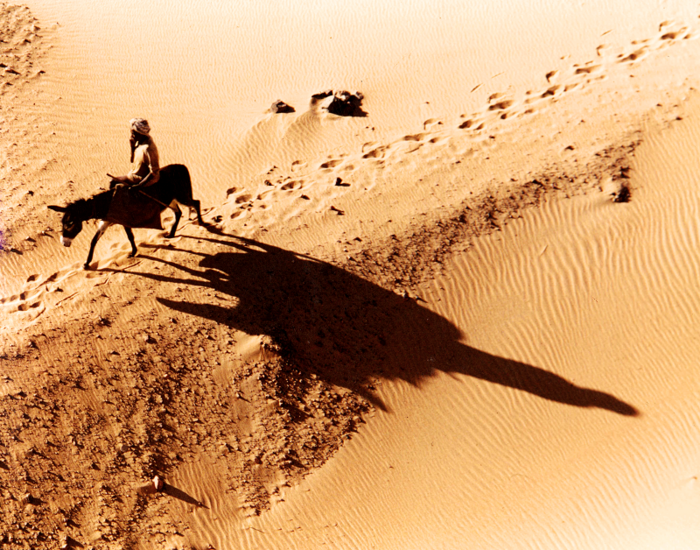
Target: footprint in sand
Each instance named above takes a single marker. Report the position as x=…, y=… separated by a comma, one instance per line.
x=23, y=298
x=368, y=145
x=431, y=122
x=415, y=137
x=675, y=35
x=243, y=198
x=636, y=55
x=501, y=105
x=377, y=153
x=551, y=91
x=289, y=186
x=28, y=307
x=331, y=163
x=586, y=69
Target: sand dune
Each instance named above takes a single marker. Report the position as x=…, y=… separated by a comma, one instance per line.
x=464, y=319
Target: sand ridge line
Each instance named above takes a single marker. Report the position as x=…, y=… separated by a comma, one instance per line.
x=306, y=185
x=409, y=259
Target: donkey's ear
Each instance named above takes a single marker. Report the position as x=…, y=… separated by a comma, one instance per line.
x=56, y=208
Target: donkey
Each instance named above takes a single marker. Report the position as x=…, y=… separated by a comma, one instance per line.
x=173, y=187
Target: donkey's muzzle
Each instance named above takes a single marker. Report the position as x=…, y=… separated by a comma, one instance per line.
x=66, y=241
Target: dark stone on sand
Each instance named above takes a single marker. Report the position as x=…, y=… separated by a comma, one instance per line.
x=343, y=103
x=280, y=107
x=347, y=104
x=623, y=195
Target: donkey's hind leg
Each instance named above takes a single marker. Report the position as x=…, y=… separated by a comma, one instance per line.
x=178, y=214
x=130, y=235
x=100, y=231
x=195, y=204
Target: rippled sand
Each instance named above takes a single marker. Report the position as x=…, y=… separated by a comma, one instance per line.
x=428, y=327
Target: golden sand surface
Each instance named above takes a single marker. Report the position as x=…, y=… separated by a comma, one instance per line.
x=464, y=319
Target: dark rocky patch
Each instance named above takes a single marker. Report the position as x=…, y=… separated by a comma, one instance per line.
x=347, y=104
x=280, y=107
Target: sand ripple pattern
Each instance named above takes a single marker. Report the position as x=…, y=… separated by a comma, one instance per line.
x=602, y=294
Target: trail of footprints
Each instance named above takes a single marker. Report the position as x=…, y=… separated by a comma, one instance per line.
x=30, y=299
x=499, y=107
x=39, y=291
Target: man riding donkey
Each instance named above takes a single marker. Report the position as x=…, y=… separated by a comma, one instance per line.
x=145, y=153
x=134, y=200
x=132, y=205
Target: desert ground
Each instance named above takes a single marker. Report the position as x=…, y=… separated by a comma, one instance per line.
x=460, y=314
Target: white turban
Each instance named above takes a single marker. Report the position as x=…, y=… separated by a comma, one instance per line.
x=140, y=125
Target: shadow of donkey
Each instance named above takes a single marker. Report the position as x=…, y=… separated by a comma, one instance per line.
x=349, y=331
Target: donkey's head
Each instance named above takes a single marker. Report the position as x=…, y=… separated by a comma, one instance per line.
x=72, y=221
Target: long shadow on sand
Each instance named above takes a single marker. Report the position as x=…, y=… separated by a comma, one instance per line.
x=349, y=331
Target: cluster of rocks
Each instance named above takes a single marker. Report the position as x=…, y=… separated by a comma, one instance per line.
x=340, y=103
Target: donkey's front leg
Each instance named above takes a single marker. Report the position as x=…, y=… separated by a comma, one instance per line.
x=100, y=231
x=178, y=214
x=130, y=234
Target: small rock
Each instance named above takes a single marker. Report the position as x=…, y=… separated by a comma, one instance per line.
x=281, y=107
x=158, y=483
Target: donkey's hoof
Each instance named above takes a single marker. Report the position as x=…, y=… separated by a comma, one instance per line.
x=86, y=267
